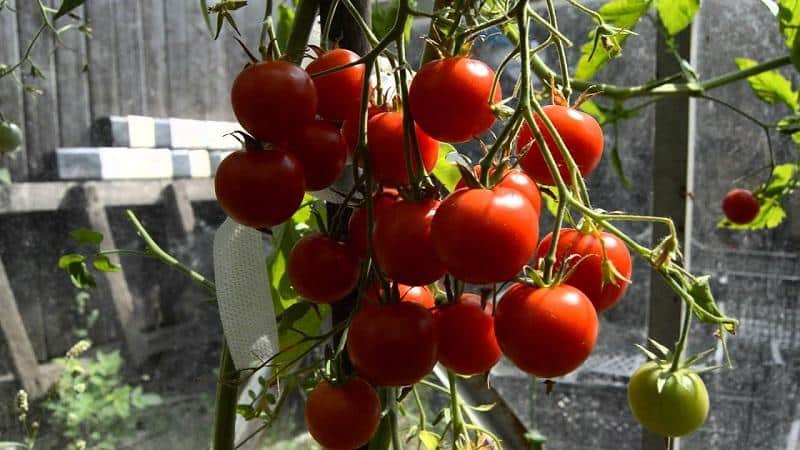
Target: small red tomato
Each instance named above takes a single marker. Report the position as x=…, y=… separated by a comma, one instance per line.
x=387, y=149
x=273, y=100
x=350, y=127
x=339, y=92
x=465, y=332
x=321, y=150
x=449, y=98
x=358, y=225
x=343, y=416
x=586, y=257
x=259, y=188
x=581, y=134
x=420, y=295
x=740, y=206
x=517, y=180
x=546, y=332
x=402, y=243
x=485, y=235
x=321, y=269
x=393, y=345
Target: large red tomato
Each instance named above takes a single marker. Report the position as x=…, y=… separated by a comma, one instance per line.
x=343, y=416
x=321, y=269
x=485, y=235
x=581, y=134
x=387, y=152
x=273, y=100
x=546, y=332
x=517, y=180
x=740, y=206
x=588, y=264
x=465, y=333
x=321, y=149
x=402, y=243
x=393, y=345
x=339, y=92
x=449, y=98
x=420, y=295
x=259, y=188
x=358, y=226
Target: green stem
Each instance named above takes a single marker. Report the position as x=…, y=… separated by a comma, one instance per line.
x=681, y=345
x=326, y=28
x=562, y=54
x=423, y=420
x=362, y=24
x=459, y=430
x=594, y=14
x=391, y=398
x=27, y=54
x=305, y=15
x=267, y=30
x=225, y=407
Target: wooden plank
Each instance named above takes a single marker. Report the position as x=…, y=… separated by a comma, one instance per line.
x=219, y=82
x=179, y=52
x=130, y=57
x=156, y=77
x=24, y=363
x=41, y=111
x=11, y=102
x=102, y=59
x=74, y=108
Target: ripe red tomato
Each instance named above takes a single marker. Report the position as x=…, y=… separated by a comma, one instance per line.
x=273, y=100
x=740, y=206
x=517, y=180
x=343, y=416
x=386, y=148
x=546, y=332
x=485, y=235
x=420, y=295
x=339, y=92
x=465, y=333
x=581, y=134
x=350, y=127
x=402, y=243
x=588, y=275
x=393, y=345
x=449, y=98
x=321, y=150
x=321, y=269
x=358, y=225
x=259, y=188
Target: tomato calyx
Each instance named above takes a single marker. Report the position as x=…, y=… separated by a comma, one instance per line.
x=662, y=356
x=610, y=273
x=248, y=142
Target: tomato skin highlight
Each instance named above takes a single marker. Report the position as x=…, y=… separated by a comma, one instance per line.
x=273, y=100
x=322, y=269
x=517, y=180
x=394, y=344
x=357, y=227
x=259, y=188
x=386, y=149
x=420, y=295
x=546, y=332
x=465, y=333
x=449, y=98
x=338, y=93
x=506, y=227
x=679, y=409
x=343, y=416
x=321, y=150
x=581, y=134
x=588, y=275
x=402, y=243
x=740, y=206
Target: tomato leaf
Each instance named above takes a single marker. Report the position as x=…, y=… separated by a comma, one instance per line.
x=789, y=20
x=285, y=22
x=770, y=86
x=66, y=260
x=677, y=14
x=66, y=7
x=784, y=180
x=429, y=439
x=705, y=307
x=79, y=275
x=445, y=171
x=383, y=18
x=593, y=109
x=87, y=237
x=104, y=264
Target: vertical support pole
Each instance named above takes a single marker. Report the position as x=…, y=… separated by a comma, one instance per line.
x=673, y=167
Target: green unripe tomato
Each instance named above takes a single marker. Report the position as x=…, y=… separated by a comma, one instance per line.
x=679, y=409
x=10, y=137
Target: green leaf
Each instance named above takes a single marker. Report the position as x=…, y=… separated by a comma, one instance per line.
x=445, y=171
x=770, y=86
x=593, y=109
x=677, y=14
x=104, y=264
x=292, y=314
x=86, y=237
x=705, y=307
x=784, y=180
x=66, y=7
x=789, y=20
x=284, y=27
x=383, y=18
x=68, y=259
x=80, y=276
x=206, y=16
x=429, y=439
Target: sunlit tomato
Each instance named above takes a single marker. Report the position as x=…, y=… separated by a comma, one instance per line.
x=517, y=180
x=259, y=188
x=339, y=93
x=465, y=332
x=321, y=269
x=343, y=416
x=358, y=225
x=420, y=295
x=320, y=148
x=273, y=100
x=10, y=137
x=740, y=206
x=546, y=332
x=449, y=98
x=680, y=407
x=350, y=127
x=387, y=153
x=402, y=243
x=581, y=134
x=393, y=345
x=485, y=235
x=585, y=255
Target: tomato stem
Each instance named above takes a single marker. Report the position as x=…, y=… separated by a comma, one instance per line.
x=225, y=408
x=391, y=398
x=459, y=430
x=681, y=344
x=562, y=54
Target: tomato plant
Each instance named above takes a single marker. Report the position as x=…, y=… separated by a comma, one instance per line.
x=10, y=136
x=322, y=269
x=357, y=228
x=338, y=93
x=740, y=206
x=343, y=416
x=514, y=179
x=321, y=150
x=420, y=295
x=387, y=149
x=465, y=335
